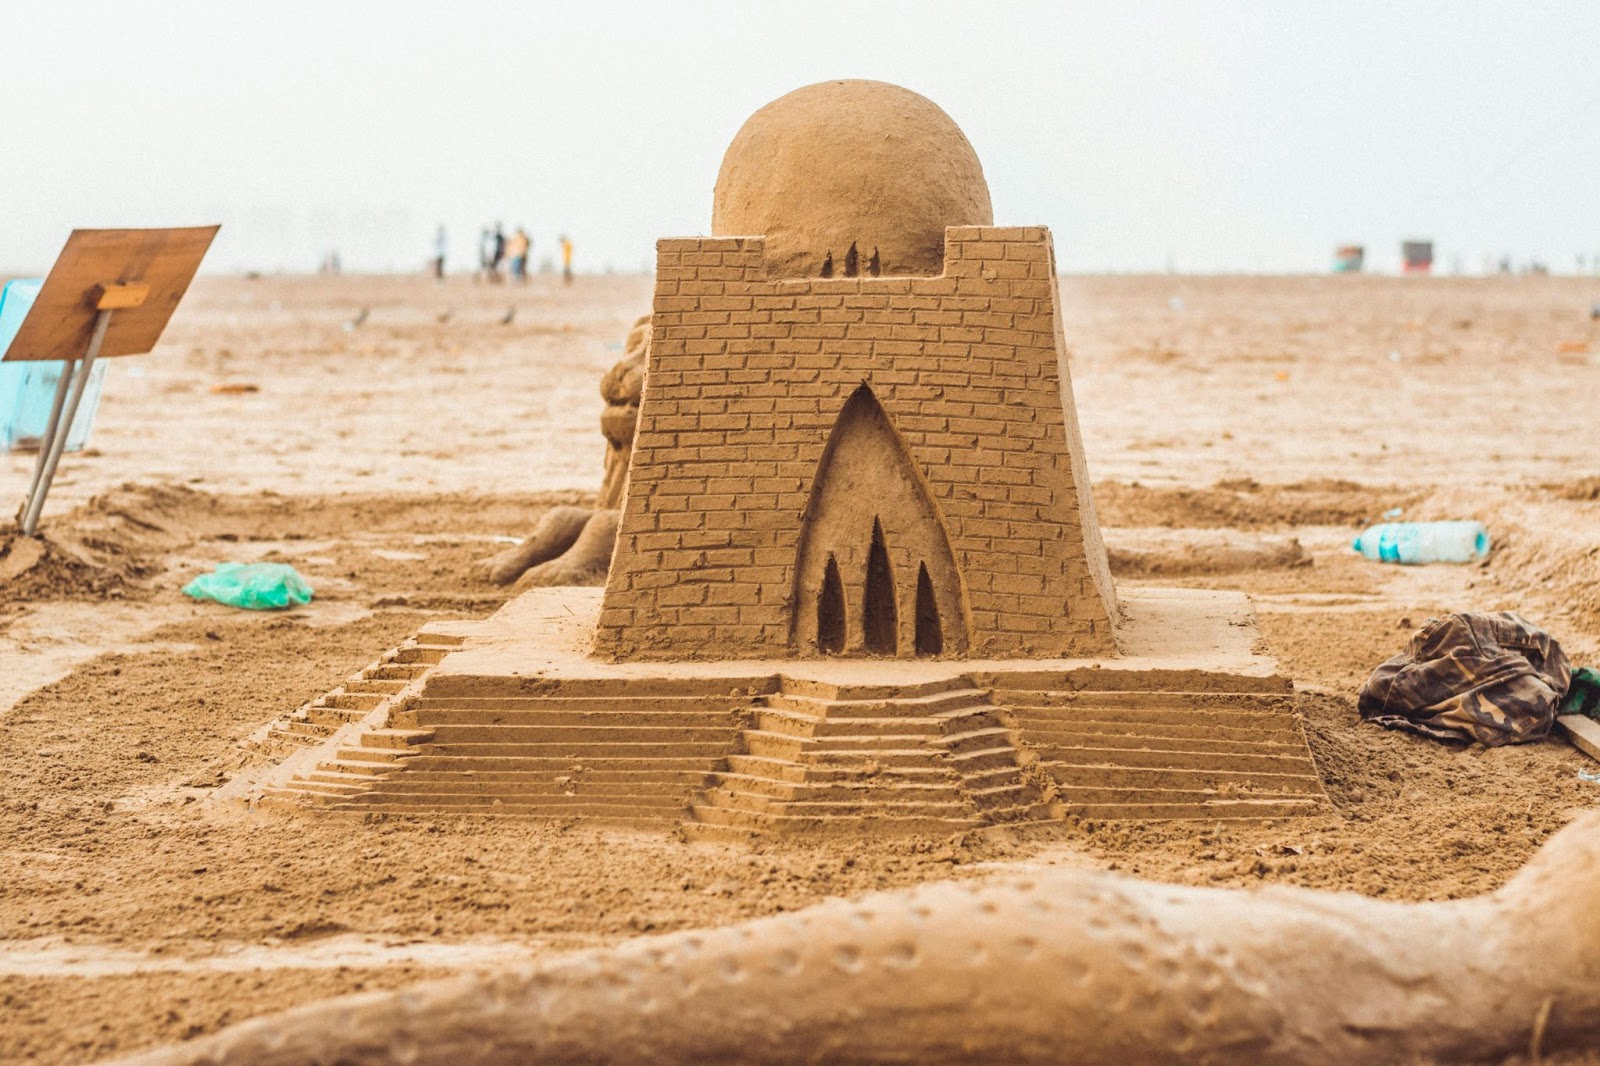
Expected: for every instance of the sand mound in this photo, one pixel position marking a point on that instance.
(1246, 504)
(850, 162)
(105, 548)
(1172, 553)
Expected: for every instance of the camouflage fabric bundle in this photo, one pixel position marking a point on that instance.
(1490, 677)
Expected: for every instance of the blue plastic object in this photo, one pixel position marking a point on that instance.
(253, 586)
(27, 389)
(1424, 542)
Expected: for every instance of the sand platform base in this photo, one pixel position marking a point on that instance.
(511, 716)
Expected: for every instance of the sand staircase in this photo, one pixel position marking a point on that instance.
(349, 725)
(581, 749)
(1167, 754)
(932, 757)
(732, 757)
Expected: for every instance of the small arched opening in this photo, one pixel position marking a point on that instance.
(879, 621)
(830, 611)
(930, 637)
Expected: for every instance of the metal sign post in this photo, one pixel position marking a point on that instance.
(110, 293)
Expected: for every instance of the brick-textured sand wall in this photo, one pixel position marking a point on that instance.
(746, 378)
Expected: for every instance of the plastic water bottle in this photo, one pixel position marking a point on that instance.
(1424, 542)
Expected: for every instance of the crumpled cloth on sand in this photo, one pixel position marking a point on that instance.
(1491, 677)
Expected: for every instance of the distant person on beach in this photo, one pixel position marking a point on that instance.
(485, 252)
(517, 249)
(498, 254)
(441, 244)
(566, 259)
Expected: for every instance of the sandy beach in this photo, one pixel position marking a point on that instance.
(382, 458)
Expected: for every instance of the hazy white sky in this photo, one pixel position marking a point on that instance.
(1250, 135)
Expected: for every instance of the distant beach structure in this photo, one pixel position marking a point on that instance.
(1416, 257)
(1349, 258)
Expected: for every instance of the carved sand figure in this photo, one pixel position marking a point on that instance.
(859, 444)
(566, 547)
(860, 437)
(1068, 966)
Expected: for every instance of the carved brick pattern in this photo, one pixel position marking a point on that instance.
(747, 375)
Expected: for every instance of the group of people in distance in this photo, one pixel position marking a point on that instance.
(496, 249)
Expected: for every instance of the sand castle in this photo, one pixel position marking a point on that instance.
(858, 581)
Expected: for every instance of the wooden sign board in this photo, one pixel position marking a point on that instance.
(139, 273)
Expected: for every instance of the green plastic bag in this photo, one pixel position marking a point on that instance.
(253, 586)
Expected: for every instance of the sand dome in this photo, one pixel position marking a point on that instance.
(843, 162)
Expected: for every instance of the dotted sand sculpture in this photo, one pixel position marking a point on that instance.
(857, 579)
(1066, 967)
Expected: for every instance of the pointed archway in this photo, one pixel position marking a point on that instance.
(880, 619)
(872, 526)
(831, 611)
(929, 634)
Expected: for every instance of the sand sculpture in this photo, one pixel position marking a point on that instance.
(858, 580)
(863, 165)
(1069, 966)
(819, 444)
(564, 549)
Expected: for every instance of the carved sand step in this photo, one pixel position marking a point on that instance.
(499, 762)
(342, 699)
(785, 769)
(1215, 719)
(557, 803)
(866, 822)
(1148, 700)
(466, 686)
(331, 717)
(362, 703)
(1063, 755)
(591, 736)
(364, 767)
(566, 702)
(967, 741)
(395, 738)
(302, 731)
(1020, 796)
(645, 714)
(400, 672)
(858, 790)
(421, 654)
(890, 751)
(622, 812)
(794, 724)
(1000, 776)
(1220, 810)
(562, 777)
(890, 803)
(350, 782)
(1078, 797)
(517, 788)
(1070, 776)
(879, 707)
(1001, 756)
(1274, 728)
(328, 788)
(1047, 740)
(826, 690)
(580, 751)
(708, 833)
(388, 758)
(379, 686)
